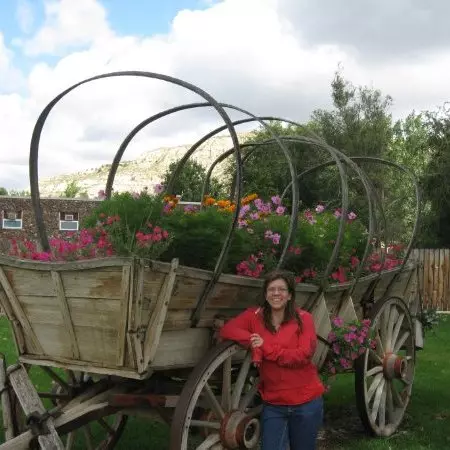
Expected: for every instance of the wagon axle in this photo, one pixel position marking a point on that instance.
(395, 366)
(239, 430)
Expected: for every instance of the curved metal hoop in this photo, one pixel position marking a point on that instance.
(35, 139)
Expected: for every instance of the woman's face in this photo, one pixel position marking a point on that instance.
(277, 294)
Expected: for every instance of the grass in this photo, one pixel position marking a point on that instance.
(425, 426)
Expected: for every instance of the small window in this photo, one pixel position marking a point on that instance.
(12, 220)
(68, 221)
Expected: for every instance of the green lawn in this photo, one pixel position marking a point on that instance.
(426, 426)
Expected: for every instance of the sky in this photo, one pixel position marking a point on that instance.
(269, 57)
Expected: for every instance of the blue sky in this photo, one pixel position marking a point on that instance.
(144, 17)
(269, 57)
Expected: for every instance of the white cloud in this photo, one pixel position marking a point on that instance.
(257, 54)
(25, 15)
(68, 24)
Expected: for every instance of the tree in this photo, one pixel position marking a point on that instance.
(73, 190)
(189, 182)
(3, 191)
(436, 188)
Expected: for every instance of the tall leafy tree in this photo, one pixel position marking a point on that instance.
(189, 182)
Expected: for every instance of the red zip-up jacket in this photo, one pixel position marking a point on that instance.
(287, 374)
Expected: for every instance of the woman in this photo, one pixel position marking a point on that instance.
(283, 341)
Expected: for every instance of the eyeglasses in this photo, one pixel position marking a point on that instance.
(282, 290)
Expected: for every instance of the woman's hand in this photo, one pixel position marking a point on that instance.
(256, 340)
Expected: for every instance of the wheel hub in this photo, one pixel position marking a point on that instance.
(394, 366)
(239, 431)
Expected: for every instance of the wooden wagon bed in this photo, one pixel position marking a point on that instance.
(124, 317)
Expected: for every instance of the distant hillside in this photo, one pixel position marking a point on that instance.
(134, 175)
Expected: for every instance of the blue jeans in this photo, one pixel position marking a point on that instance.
(297, 425)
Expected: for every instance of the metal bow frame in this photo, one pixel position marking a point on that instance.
(343, 163)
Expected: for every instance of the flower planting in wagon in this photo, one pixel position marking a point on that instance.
(156, 227)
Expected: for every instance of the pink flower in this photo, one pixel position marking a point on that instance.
(244, 210)
(158, 188)
(339, 275)
(268, 234)
(331, 336)
(136, 195)
(309, 217)
(351, 216)
(320, 208)
(354, 261)
(337, 213)
(336, 349)
(254, 216)
(280, 210)
(338, 322)
(276, 238)
(101, 194)
(276, 200)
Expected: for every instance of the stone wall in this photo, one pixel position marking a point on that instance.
(53, 208)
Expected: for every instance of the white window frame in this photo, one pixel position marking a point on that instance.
(65, 221)
(6, 220)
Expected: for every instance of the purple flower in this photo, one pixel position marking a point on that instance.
(158, 188)
(280, 210)
(244, 210)
(337, 213)
(254, 216)
(101, 194)
(338, 322)
(351, 216)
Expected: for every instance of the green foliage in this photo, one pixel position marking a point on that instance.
(125, 215)
(3, 191)
(429, 318)
(436, 188)
(73, 190)
(189, 182)
(17, 193)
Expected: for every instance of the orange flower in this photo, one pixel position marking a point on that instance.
(209, 201)
(171, 199)
(248, 199)
(223, 203)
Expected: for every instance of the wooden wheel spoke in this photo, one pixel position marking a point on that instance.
(211, 440)
(397, 328)
(379, 349)
(205, 424)
(373, 387)
(396, 396)
(373, 354)
(70, 440)
(88, 437)
(248, 397)
(254, 412)
(56, 378)
(213, 402)
(382, 410)
(377, 401)
(240, 382)
(405, 381)
(374, 371)
(389, 402)
(401, 341)
(105, 425)
(226, 384)
(393, 315)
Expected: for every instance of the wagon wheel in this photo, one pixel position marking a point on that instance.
(384, 375)
(219, 406)
(100, 434)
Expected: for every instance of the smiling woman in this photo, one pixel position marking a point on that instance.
(283, 341)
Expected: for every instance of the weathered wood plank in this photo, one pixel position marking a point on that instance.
(5, 402)
(323, 327)
(65, 312)
(122, 325)
(31, 403)
(19, 313)
(178, 349)
(154, 329)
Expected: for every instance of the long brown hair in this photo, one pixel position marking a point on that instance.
(290, 311)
